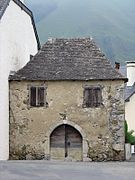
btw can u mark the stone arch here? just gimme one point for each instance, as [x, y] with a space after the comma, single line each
[77, 127]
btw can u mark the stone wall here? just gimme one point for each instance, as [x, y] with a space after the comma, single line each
[102, 128]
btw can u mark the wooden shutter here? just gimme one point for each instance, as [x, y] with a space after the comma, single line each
[92, 97]
[41, 96]
[97, 97]
[33, 96]
[88, 98]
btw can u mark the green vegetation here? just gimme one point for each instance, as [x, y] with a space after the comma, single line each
[110, 23]
[129, 137]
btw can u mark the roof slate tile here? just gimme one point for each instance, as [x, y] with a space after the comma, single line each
[68, 59]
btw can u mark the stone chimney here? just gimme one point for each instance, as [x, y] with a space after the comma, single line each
[117, 66]
[130, 73]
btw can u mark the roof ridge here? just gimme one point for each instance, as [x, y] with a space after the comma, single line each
[73, 65]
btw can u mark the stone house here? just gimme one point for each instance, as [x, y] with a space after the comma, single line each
[18, 40]
[67, 103]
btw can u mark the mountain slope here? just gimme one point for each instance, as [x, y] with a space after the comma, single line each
[110, 23]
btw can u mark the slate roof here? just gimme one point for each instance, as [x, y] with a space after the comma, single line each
[123, 70]
[129, 91]
[68, 59]
[4, 4]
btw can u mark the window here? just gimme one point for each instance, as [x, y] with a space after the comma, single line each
[37, 96]
[92, 97]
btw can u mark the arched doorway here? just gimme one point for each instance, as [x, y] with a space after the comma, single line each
[66, 142]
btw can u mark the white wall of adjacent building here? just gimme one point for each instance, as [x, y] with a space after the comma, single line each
[17, 42]
[130, 105]
[131, 73]
[130, 113]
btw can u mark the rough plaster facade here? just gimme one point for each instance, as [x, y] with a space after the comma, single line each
[102, 128]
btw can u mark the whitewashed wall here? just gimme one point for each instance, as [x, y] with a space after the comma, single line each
[130, 106]
[130, 113]
[131, 73]
[17, 42]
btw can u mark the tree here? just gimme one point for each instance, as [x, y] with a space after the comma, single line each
[129, 137]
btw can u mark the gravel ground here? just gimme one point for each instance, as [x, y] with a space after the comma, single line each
[48, 170]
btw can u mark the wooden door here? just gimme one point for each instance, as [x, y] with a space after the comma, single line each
[73, 144]
[66, 142]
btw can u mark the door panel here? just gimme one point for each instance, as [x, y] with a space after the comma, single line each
[74, 144]
[57, 143]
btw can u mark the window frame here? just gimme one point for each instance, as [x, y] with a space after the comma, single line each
[37, 96]
[86, 102]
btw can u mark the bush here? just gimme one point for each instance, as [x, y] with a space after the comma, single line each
[129, 137]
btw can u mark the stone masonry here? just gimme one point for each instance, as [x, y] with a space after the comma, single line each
[102, 128]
